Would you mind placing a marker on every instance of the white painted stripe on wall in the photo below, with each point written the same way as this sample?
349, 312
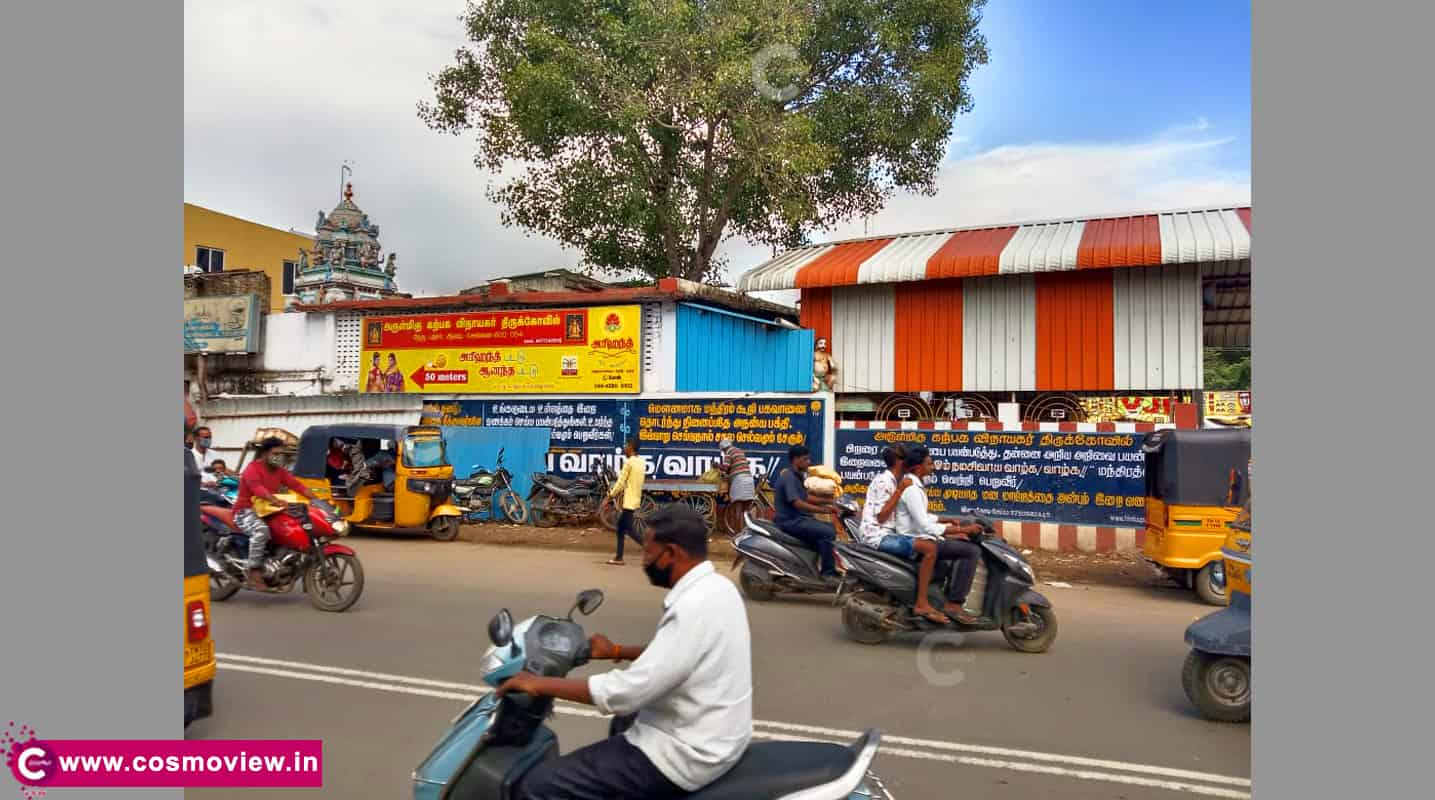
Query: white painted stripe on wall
1157, 327
1050, 536
1086, 538
864, 335
999, 334
1125, 538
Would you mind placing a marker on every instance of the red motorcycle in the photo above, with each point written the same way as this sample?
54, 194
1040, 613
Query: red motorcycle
301, 548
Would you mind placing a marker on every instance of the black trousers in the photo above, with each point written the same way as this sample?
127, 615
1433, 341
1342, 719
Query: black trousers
627, 526
611, 769
820, 535
964, 555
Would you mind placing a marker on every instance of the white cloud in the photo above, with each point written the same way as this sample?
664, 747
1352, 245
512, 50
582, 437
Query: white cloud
277, 94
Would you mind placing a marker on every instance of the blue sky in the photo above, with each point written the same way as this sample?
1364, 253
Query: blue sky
1111, 71
1092, 107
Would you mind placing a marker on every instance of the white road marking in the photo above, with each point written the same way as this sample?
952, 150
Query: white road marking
979, 755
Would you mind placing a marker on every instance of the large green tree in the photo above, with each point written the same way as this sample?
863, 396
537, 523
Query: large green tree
645, 132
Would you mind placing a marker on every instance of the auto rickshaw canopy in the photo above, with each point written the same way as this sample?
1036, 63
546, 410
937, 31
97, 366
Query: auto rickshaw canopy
1195, 467
314, 443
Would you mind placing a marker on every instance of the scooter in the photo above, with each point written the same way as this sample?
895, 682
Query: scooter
493, 743
879, 591
775, 563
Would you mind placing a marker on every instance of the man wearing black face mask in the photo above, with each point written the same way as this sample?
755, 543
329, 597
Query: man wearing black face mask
691, 687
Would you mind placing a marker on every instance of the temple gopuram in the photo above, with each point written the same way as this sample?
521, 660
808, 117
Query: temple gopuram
345, 263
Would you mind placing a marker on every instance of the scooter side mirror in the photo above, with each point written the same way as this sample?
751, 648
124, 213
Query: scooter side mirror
500, 628
588, 602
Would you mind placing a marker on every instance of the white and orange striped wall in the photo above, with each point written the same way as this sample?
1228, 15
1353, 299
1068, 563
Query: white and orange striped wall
1111, 304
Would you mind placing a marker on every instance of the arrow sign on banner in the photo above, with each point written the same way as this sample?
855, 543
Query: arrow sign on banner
424, 376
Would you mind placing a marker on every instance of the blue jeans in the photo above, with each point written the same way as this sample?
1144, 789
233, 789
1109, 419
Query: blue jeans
820, 536
895, 544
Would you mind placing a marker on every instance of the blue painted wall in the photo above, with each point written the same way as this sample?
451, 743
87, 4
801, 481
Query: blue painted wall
721, 353
525, 451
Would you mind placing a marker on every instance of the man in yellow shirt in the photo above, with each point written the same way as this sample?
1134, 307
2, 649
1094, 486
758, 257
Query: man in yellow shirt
629, 487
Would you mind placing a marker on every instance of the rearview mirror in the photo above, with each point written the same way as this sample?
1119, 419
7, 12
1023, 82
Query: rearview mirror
500, 628
588, 602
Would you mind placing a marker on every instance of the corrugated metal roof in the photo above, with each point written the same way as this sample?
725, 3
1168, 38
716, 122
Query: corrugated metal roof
781, 272
1216, 236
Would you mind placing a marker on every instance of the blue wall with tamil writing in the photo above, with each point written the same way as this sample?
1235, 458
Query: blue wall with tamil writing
724, 352
1073, 478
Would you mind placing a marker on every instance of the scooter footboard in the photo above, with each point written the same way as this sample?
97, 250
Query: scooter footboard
498, 770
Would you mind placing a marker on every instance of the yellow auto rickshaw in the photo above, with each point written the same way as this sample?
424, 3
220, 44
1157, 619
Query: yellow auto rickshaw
382, 477
1195, 482
200, 665
1217, 673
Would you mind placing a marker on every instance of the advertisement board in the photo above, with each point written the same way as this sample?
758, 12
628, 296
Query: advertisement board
595, 350
678, 436
1032, 476
227, 324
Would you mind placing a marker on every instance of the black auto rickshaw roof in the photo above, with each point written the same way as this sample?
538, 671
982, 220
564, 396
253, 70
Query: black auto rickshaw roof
314, 442
1193, 467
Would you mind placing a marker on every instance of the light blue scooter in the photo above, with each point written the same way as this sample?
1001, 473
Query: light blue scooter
494, 743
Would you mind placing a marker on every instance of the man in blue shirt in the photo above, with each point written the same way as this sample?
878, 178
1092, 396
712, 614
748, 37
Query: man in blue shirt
795, 512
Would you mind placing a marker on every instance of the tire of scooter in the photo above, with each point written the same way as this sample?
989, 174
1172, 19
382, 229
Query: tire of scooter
537, 513
1037, 644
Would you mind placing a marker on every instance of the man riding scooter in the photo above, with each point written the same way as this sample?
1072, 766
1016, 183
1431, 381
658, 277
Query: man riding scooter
265, 476
690, 687
948, 536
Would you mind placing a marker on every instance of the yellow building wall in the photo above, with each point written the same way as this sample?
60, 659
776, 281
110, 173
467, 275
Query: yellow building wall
246, 245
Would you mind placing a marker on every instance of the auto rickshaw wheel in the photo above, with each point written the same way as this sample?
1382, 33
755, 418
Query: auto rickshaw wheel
444, 529
1219, 686
1211, 588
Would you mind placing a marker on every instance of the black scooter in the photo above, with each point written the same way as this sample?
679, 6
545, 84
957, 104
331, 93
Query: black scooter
880, 591
775, 563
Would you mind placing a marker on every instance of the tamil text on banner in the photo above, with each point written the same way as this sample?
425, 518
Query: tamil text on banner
1073, 478
579, 351
228, 324
678, 436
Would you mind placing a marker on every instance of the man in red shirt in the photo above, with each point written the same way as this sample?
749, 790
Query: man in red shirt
263, 478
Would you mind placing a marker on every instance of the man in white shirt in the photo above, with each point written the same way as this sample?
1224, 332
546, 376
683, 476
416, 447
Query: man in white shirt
948, 535
691, 686
204, 456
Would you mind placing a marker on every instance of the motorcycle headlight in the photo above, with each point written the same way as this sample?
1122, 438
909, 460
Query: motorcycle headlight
341, 528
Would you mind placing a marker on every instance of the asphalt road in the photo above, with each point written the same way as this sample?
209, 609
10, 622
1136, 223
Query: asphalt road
1100, 715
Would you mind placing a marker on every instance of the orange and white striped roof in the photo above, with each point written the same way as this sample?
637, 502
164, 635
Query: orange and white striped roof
1144, 240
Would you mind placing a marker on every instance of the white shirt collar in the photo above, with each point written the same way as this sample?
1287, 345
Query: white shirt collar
693, 576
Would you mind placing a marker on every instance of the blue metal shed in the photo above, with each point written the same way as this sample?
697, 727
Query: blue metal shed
724, 351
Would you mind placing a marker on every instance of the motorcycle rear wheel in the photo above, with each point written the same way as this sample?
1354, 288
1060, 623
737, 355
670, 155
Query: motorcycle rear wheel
330, 592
